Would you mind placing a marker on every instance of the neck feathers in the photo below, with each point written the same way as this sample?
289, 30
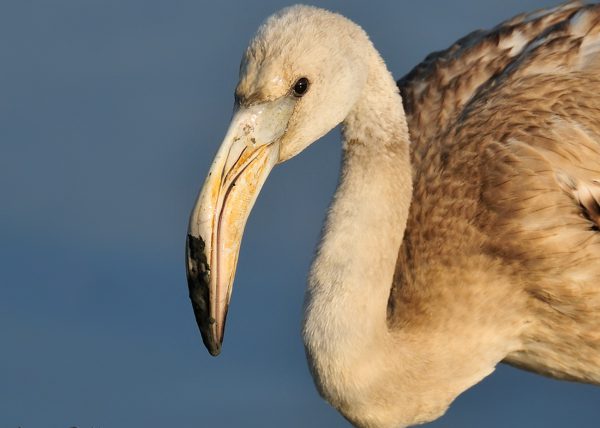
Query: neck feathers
349, 286
377, 119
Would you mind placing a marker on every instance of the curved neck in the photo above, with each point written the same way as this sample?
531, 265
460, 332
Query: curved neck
352, 274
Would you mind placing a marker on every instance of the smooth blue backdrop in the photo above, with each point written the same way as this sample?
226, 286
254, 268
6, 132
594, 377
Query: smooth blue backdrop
110, 113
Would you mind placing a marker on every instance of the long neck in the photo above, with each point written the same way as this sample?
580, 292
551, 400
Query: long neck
376, 377
351, 277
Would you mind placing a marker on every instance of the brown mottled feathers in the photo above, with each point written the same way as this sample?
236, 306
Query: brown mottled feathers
505, 131
437, 89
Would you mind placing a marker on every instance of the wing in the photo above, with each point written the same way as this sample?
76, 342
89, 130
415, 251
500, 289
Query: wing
534, 131
436, 90
506, 153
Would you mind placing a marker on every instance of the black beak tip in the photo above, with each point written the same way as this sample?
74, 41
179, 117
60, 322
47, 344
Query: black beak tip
203, 321
212, 345
214, 351
198, 277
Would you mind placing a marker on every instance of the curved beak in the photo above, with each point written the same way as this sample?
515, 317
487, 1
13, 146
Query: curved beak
248, 153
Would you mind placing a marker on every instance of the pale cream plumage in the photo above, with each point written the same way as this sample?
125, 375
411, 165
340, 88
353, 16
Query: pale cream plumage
465, 228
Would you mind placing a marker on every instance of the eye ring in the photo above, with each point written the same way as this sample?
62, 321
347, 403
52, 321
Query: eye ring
300, 87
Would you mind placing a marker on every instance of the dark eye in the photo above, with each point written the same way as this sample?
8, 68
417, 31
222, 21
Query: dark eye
301, 86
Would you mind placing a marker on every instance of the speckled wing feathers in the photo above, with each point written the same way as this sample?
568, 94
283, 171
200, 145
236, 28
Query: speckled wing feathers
436, 90
505, 131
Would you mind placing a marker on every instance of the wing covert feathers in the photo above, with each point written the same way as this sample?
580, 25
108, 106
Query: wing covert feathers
553, 40
505, 144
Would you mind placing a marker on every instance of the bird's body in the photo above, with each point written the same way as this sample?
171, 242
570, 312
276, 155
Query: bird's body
515, 163
465, 227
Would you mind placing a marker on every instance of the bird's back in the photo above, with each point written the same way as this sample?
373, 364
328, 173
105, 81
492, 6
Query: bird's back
505, 129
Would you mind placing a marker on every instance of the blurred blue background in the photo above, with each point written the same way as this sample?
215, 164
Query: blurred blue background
110, 113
